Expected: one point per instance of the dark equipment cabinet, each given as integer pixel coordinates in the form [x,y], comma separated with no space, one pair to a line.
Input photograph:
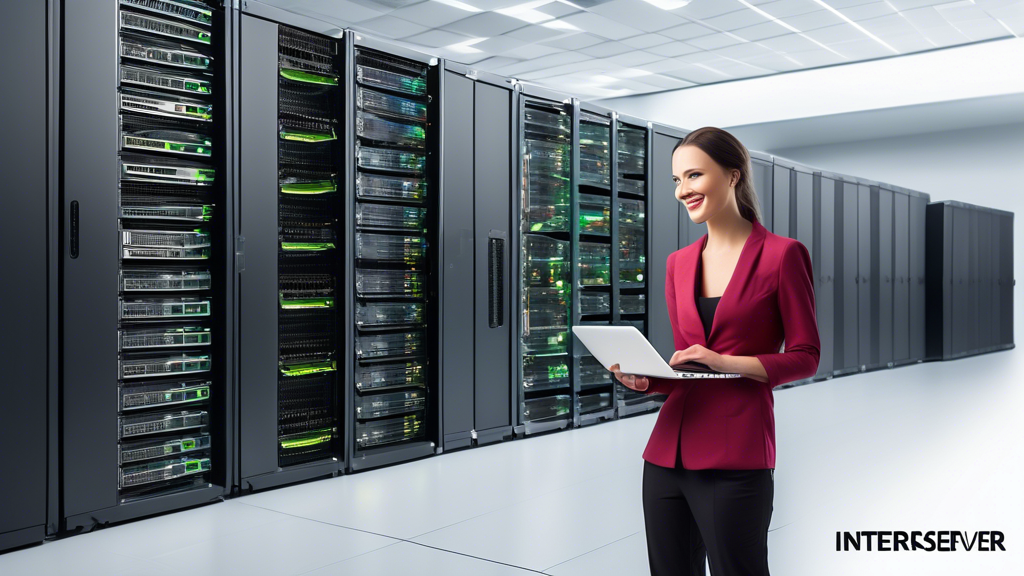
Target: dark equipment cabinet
[146,278]
[666,234]
[969,280]
[846,357]
[762,168]
[478,396]
[824,262]
[908,307]
[393,397]
[794,215]
[881,351]
[291,342]
[26,257]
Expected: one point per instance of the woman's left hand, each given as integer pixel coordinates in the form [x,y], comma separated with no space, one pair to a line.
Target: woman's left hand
[698,353]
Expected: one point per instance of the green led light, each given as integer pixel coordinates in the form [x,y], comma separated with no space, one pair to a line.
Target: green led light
[312,439]
[307,246]
[309,368]
[188,444]
[308,77]
[320,187]
[300,303]
[307,136]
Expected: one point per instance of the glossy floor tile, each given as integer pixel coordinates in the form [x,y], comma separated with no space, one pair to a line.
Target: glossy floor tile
[934,446]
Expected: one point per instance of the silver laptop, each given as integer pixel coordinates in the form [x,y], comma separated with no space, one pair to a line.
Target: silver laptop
[627,347]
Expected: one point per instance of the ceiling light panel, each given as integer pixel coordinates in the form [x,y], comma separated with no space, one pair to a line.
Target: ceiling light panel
[487,24]
[638,14]
[601,26]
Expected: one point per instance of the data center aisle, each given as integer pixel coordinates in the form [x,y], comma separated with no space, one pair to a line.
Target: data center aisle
[928,447]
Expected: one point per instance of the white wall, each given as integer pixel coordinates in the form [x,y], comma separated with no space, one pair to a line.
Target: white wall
[976,165]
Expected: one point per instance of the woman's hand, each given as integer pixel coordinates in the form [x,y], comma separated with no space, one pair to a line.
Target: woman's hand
[698,353]
[631,381]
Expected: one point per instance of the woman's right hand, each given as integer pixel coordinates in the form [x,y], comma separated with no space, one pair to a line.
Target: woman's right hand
[631,381]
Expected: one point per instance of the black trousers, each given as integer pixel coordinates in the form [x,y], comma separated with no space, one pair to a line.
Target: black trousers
[719,514]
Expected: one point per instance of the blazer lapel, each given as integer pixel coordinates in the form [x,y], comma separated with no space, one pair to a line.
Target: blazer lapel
[692,326]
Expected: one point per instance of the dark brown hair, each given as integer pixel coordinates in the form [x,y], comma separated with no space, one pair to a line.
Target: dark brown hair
[730,154]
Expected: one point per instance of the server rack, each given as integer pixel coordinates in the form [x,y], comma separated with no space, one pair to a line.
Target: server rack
[146,319]
[292,344]
[762,171]
[596,279]
[392,106]
[793,215]
[908,260]
[846,358]
[824,263]
[633,239]
[478,397]
[25,234]
[970,280]
[548,219]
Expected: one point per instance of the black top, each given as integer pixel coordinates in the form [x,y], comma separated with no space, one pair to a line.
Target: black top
[706,307]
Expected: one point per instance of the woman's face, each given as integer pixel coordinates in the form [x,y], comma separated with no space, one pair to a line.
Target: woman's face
[703,185]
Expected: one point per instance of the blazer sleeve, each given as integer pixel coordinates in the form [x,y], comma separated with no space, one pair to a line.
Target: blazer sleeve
[796,307]
[664,385]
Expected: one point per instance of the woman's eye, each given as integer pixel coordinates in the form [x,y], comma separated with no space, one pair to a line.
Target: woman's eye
[692,174]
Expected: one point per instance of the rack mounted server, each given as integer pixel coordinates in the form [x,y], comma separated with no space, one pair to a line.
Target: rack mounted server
[146,343]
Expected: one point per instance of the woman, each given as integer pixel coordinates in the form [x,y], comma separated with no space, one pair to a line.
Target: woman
[733,297]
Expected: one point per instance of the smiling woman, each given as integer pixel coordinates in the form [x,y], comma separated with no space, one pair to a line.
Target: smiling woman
[709,474]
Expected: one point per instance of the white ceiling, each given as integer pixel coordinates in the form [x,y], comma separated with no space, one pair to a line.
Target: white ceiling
[597,49]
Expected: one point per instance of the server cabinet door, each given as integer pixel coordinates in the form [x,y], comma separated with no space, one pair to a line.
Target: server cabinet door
[995,293]
[864,277]
[89,427]
[781,201]
[458,326]
[258,284]
[961,298]
[1006,273]
[493,184]
[665,226]
[763,175]
[23,233]
[901,287]
[973,274]
[983,284]
[803,211]
[884,277]
[850,278]
[824,286]
[917,286]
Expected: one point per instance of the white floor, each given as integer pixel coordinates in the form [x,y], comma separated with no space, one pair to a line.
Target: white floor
[935,446]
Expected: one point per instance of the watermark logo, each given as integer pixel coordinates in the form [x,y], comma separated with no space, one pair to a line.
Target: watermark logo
[918,541]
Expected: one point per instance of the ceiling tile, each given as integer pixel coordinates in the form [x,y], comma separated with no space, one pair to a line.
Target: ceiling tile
[528,51]
[698,74]
[387,4]
[838,33]
[432,14]
[485,24]
[701,9]
[601,26]
[906,43]
[461,57]
[499,44]
[673,49]
[495,62]
[789,43]
[742,51]
[944,35]
[982,29]
[883,26]
[813,20]
[817,57]
[606,49]
[844,5]
[775,62]
[575,41]
[646,40]
[391,27]
[863,48]
[664,82]
[661,66]
[687,31]
[535,33]
[635,58]
[736,19]
[437,38]
[493,4]
[786,8]
[638,14]
[924,17]
[910,4]
[713,41]
[866,11]
[762,31]
[340,9]
[556,9]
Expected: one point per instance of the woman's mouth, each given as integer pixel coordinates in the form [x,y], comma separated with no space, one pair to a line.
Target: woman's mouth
[694,202]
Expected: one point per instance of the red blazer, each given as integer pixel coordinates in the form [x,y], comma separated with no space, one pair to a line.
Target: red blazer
[730,423]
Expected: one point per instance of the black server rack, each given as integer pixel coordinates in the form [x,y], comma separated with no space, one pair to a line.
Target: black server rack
[864,279]
[25,233]
[846,351]
[146,317]
[970,280]
[548,220]
[477,143]
[762,172]
[908,260]
[291,338]
[597,223]
[632,241]
[880,353]
[794,216]
[824,264]
[392,108]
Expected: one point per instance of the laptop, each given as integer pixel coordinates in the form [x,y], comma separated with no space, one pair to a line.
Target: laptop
[626,346]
